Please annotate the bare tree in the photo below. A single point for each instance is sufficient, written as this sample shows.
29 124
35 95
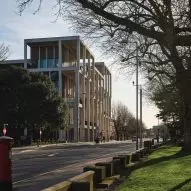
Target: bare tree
4 52
156 32
124 121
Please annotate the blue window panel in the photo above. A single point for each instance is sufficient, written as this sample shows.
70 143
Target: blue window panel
43 63
51 63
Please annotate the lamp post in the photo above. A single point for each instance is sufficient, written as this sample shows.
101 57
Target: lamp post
141 126
137 108
138 129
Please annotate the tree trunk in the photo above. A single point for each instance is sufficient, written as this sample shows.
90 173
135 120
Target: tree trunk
184 85
187 129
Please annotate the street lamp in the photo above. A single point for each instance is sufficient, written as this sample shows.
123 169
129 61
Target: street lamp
141 125
139 129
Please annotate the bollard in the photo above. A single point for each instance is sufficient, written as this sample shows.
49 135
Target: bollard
5 163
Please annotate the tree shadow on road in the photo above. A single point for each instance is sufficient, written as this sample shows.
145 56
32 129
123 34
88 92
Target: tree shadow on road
177 187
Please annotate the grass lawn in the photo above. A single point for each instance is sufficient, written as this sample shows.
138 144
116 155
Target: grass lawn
168 169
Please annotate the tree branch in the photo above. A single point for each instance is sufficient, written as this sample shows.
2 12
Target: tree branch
132 26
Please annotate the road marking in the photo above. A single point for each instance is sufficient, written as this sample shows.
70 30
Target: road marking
51 155
26 151
79 164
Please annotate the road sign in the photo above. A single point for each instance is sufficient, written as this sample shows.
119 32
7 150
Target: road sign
4 131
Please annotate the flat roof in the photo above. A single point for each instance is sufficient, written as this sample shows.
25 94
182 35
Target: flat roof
48 39
102 64
55 39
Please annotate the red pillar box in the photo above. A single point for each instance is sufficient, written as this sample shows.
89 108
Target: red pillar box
5 163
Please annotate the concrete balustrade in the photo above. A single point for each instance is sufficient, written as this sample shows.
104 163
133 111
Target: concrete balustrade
135 156
128 157
108 167
102 174
63 186
142 153
125 159
83 182
99 175
122 161
148 144
117 167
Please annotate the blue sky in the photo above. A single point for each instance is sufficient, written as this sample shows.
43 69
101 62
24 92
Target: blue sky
14 29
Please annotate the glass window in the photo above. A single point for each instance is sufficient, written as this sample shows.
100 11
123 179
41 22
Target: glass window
51 63
43 63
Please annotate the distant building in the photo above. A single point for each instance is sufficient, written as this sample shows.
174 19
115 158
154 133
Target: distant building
161 131
84 84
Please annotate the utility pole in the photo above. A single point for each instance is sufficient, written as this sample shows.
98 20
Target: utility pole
141 126
137 89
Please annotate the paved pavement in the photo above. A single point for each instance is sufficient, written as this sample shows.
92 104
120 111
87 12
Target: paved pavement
35 168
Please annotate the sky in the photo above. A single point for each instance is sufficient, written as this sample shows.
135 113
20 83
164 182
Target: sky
15 28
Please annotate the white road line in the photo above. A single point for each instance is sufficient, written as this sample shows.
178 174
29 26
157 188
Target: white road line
26 151
79 164
51 155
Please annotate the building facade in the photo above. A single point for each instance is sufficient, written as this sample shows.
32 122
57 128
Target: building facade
84 84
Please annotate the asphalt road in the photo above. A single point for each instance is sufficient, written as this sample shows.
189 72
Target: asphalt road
34 169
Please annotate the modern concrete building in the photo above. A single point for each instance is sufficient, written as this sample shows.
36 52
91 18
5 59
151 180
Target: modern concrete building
84 84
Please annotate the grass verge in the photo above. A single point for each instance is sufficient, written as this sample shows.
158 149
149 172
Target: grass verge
167 169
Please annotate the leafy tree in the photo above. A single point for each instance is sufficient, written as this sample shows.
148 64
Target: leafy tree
29 99
158 32
167 98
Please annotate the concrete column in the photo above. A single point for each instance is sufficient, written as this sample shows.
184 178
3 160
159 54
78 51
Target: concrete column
99 103
38 56
54 57
93 95
110 92
68 108
83 89
88 99
108 105
104 101
46 57
25 54
60 66
96 103
76 99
